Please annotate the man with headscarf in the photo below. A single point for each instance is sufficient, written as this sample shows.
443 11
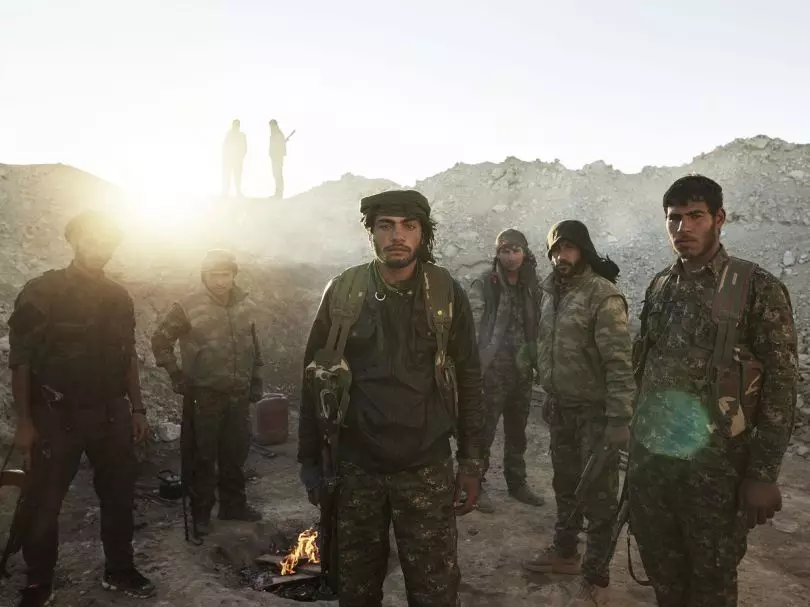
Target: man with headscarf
394 456
219 376
77 391
716 405
506 299
584 356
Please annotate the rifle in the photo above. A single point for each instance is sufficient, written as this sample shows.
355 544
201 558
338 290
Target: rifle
187 452
331 385
13 478
593 468
622 519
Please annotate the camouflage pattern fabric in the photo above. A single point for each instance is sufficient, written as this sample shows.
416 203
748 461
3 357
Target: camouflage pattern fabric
222 443
584 350
218 343
690 531
81 347
419 504
685 468
507 391
102 430
575 431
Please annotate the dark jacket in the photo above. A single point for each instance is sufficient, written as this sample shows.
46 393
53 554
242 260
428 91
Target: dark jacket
396 418
486 298
77 333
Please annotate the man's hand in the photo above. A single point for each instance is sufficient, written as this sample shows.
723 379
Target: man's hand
617 434
311 477
471 486
179 383
761 501
256 389
140 428
24 439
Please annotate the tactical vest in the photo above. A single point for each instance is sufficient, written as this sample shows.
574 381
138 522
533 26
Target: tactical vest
329 371
87 346
733 375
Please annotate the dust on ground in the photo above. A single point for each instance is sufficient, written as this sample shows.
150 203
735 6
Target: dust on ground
776 570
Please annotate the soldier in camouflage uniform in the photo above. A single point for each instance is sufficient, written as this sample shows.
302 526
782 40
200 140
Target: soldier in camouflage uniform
394 454
702 472
504 301
584 358
219 377
76 390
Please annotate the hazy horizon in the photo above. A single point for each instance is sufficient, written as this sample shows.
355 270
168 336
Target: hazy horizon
143 95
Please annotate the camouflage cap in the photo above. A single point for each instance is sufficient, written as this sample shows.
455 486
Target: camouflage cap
397 203
92 221
511 236
219 259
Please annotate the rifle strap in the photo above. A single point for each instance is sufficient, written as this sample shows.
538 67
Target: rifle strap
630 568
439 305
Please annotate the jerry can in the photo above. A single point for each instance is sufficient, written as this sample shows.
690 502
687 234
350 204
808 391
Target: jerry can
272 420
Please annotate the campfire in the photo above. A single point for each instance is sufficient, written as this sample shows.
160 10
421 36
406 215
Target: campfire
306 548
294 575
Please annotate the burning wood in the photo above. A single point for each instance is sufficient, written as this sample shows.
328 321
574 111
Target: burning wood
275 559
268 581
306 548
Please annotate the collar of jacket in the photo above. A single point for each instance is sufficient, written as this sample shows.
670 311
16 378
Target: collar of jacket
237 295
714 266
552 284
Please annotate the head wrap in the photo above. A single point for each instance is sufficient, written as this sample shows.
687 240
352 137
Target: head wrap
511 236
96 222
577 234
218 260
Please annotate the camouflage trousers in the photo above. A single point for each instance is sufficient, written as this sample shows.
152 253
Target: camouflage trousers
508 393
690 532
219 449
419 503
575 430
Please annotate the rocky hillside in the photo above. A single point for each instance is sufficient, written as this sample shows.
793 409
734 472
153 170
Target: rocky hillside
290 248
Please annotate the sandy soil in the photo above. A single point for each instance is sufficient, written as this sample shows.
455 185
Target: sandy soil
775 572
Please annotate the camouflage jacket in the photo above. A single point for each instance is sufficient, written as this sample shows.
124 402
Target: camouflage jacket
219 348
584 349
76 332
674 413
504 314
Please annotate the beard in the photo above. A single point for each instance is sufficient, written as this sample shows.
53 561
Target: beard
397 263
565 270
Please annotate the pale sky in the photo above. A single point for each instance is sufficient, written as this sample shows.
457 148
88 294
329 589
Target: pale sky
142 92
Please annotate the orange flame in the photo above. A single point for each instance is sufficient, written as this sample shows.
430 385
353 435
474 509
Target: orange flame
306 548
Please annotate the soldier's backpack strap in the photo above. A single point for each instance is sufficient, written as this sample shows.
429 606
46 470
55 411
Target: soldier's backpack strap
439 300
345 305
728 307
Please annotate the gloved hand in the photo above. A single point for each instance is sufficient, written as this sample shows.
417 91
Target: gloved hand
617 433
311 476
179 383
256 389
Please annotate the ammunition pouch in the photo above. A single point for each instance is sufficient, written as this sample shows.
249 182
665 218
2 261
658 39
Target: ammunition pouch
736 394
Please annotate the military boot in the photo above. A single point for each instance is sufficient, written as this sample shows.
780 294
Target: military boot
130 583
36 595
589 595
484 503
550 561
527 496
